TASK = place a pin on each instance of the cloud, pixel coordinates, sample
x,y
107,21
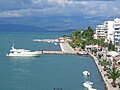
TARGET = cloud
x,y
10,14
38,8
36,1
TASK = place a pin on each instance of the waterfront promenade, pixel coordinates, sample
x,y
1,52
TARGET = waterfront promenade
x,y
105,79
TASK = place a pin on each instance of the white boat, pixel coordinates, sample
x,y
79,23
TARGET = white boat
x,y
87,85
83,53
86,73
55,43
88,82
23,53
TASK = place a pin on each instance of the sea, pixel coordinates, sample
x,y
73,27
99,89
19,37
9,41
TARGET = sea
x,y
47,72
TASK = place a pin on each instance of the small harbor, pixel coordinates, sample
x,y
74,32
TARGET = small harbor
x,y
65,47
48,71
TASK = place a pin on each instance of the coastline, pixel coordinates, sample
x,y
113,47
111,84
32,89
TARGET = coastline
x,y
107,81
67,49
43,60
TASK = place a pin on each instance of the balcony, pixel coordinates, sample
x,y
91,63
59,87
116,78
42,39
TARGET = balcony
x,y
117,37
116,34
117,26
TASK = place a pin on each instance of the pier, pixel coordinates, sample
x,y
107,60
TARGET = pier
x,y
65,47
46,40
57,52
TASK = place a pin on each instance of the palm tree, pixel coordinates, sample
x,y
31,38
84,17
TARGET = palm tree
x,y
113,74
104,63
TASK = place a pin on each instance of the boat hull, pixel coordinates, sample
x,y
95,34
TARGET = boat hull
x,y
24,54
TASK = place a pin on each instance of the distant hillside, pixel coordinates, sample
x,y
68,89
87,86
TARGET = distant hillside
x,y
59,23
15,27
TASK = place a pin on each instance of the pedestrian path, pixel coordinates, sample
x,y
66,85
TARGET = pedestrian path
x,y
105,79
65,47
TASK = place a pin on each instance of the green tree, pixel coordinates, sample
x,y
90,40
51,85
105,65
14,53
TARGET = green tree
x,y
88,34
104,63
82,38
111,46
76,34
77,42
114,74
102,42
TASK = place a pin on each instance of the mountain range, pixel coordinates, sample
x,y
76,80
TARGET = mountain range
x,y
58,23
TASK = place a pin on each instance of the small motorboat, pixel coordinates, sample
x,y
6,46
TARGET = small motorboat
x,y
86,73
55,43
88,82
87,85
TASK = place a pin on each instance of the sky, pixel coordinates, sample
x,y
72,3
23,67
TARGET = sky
x,y
40,8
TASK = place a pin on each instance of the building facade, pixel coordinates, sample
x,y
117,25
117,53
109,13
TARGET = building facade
x,y
117,31
101,31
110,30
105,31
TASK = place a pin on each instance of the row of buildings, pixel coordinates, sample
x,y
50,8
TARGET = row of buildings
x,y
109,30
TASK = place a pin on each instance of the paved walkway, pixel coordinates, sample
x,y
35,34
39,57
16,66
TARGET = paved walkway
x,y
65,47
105,79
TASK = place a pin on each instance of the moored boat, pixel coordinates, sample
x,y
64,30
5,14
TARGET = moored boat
x,y
87,85
83,53
88,82
23,53
86,73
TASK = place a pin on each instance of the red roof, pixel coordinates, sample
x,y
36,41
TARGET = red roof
x,y
99,46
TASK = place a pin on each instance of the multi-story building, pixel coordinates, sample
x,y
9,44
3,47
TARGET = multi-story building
x,y
117,31
110,30
101,31
105,31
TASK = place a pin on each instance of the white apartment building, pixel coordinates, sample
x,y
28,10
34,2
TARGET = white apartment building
x,y
101,31
105,31
111,31
117,31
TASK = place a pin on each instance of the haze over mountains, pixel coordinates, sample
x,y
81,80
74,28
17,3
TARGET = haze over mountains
x,y
55,15
56,23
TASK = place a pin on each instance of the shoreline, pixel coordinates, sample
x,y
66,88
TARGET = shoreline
x,y
67,49
108,85
107,82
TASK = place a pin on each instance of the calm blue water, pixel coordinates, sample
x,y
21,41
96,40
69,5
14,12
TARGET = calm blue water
x,y
45,72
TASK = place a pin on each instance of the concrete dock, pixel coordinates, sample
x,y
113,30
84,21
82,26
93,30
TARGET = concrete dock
x,y
65,49
46,40
57,52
